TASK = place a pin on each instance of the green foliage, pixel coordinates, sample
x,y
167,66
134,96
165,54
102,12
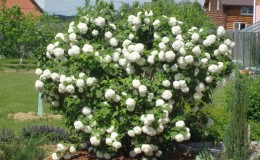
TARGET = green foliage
x,y
205,155
254,130
254,92
24,34
22,150
236,139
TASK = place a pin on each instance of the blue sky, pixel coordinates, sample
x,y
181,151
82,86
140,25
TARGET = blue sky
x,y
69,7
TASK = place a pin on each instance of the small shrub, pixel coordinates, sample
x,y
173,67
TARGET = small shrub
x,y
7,135
54,134
255,130
22,150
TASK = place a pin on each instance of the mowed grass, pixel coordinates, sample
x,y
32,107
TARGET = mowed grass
x,y
18,94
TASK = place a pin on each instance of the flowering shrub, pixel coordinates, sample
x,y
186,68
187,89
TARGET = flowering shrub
x,y
124,85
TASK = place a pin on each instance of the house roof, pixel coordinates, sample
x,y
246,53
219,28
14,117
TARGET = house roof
x,y
26,6
237,2
232,3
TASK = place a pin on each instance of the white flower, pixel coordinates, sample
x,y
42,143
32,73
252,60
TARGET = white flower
x,y
58,52
137,150
90,81
161,55
116,145
166,83
211,38
114,135
146,148
61,36
156,22
172,21
50,48
136,21
210,123
187,136
197,95
116,56
113,42
196,50
78,125
72,149
122,62
179,138
94,141
165,40
221,31
200,87
167,95
189,59
131,133
209,79
60,147
206,43
107,156
70,89
169,56
185,89
107,59
80,83
195,37
149,130
223,48
83,28
159,103
134,56
213,68
110,94
100,22
72,37
149,119
150,59
87,48
180,124
95,32
131,36
108,35
142,89
137,130
109,141
177,45
216,52
74,51
130,103
38,71
139,47
204,60
160,129
136,83
54,156
86,111
156,35
39,85
176,30
147,21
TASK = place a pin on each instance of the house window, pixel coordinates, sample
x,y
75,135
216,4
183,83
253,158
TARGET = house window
x,y
247,10
217,4
239,25
209,5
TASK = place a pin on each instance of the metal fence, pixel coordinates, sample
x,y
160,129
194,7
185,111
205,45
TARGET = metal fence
x,y
246,53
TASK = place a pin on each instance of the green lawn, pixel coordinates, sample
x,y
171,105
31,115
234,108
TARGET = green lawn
x,y
17,94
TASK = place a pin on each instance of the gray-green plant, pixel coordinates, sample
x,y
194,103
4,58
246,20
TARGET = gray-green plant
x,y
236,137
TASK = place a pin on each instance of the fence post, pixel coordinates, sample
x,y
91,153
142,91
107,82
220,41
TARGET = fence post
x,y
40,108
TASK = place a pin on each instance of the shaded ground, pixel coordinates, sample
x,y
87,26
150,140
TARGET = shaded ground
x,y
21,116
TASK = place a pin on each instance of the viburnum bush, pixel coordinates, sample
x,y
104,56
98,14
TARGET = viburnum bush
x,y
123,85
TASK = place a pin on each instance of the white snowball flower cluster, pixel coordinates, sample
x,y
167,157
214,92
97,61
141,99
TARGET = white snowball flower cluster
x,y
83,28
130,104
100,22
95,141
211,39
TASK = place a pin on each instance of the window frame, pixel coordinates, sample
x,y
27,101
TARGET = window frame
x,y
247,11
239,25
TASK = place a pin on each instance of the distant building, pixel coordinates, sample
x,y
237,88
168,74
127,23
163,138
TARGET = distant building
x,y
26,6
232,14
257,11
